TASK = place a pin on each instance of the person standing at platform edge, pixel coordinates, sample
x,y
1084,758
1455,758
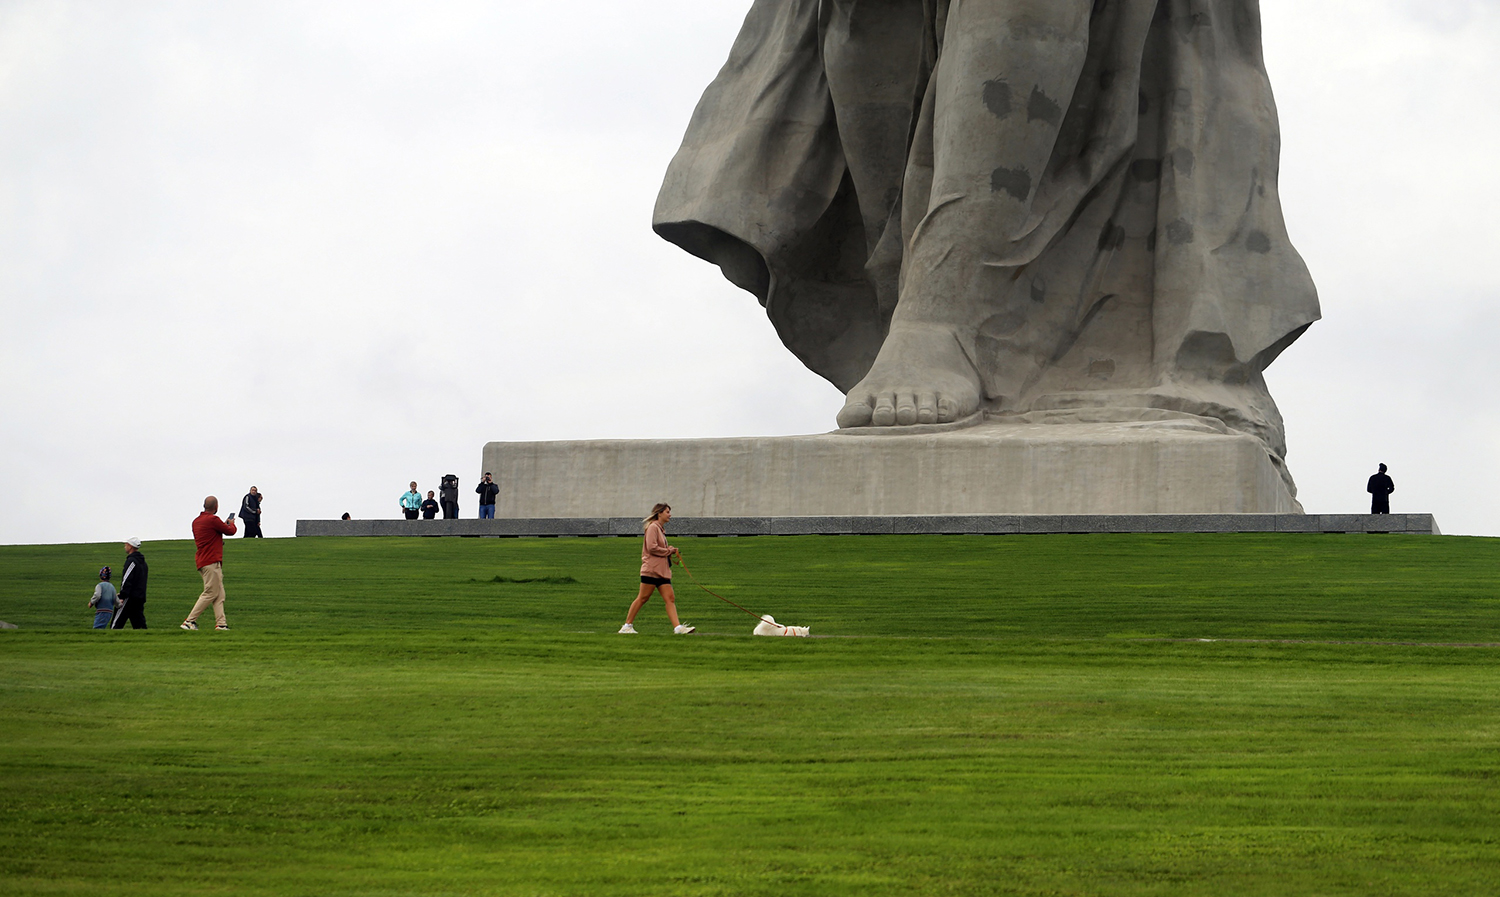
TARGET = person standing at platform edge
x,y
209,532
411,500
430,507
487,491
448,496
1380,488
250,513
132,588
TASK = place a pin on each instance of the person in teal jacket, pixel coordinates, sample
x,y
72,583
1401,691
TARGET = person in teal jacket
x,y
411,502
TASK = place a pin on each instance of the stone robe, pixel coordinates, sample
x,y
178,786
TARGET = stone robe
x,y
1153,278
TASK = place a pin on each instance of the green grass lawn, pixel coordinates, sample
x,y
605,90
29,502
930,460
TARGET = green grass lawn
x,y
991,715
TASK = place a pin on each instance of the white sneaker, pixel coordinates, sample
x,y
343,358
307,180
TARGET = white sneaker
x,y
627,629
684,629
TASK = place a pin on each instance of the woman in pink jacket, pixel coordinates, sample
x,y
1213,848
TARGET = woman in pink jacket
x,y
656,571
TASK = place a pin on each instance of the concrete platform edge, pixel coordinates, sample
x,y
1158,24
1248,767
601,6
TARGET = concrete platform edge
x,y
910,524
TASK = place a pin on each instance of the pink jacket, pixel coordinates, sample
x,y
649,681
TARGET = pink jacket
x,y
655,551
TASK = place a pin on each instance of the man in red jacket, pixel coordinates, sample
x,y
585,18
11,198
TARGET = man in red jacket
x,y
209,532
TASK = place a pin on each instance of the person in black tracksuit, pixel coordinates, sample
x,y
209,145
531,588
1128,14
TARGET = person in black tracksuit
x,y
132,588
250,514
1380,488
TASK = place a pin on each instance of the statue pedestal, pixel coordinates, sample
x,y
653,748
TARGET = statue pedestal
x,y
1159,467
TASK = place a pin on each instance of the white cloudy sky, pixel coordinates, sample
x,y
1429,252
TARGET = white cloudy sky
x,y
326,248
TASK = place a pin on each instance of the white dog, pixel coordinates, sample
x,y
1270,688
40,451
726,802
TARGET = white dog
x,y
769,626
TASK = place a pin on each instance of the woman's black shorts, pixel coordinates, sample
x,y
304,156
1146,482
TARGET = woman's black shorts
x,y
656,580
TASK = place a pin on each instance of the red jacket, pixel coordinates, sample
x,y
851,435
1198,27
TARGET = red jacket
x,y
209,532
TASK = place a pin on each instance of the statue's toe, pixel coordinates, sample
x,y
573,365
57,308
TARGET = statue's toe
x,y
855,413
885,411
927,408
947,410
906,409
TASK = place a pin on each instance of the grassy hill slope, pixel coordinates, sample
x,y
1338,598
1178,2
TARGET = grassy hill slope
x,y
1183,586
1004,716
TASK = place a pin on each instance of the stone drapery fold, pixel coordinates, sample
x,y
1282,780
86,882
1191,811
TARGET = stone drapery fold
x,y
1154,269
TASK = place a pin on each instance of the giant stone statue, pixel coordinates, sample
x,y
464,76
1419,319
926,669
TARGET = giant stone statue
x,y
958,210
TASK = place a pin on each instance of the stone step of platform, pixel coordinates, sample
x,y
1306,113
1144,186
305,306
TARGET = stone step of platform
x,y
912,524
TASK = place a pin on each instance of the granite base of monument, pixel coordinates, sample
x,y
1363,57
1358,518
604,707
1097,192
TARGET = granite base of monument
x,y
1157,467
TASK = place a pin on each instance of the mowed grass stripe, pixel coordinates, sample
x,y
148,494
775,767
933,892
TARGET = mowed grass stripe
x,y
492,765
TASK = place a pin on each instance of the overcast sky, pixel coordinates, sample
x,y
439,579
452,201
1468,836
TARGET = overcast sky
x,y
327,248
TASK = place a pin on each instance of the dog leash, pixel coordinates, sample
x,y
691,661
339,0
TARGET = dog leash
x,y
705,588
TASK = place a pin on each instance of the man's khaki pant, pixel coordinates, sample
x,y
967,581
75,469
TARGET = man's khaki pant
x,y
213,594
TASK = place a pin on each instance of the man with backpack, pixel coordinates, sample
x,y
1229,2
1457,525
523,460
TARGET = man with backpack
x,y
1380,488
448,493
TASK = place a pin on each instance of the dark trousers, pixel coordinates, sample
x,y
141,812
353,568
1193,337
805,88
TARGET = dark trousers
x,y
252,527
450,509
1380,504
411,513
486,512
134,611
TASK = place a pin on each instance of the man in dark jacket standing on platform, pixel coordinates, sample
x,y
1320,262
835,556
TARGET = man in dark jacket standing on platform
x,y
1380,489
132,588
250,514
487,491
209,532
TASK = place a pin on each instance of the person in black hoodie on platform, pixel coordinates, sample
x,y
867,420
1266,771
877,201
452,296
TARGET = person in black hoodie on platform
x,y
1380,488
132,588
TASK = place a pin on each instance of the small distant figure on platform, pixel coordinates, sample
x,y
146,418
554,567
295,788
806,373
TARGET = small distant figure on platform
x,y
346,516
411,501
132,588
104,600
448,494
1380,489
430,507
487,490
250,513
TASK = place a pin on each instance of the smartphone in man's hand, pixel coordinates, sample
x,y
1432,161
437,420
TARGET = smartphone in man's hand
x,y
230,518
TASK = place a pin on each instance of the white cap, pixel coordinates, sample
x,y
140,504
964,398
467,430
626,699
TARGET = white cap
x,y
133,542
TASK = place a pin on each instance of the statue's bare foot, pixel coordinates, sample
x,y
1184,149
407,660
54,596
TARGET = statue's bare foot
x,y
921,376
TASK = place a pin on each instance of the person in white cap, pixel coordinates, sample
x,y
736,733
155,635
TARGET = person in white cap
x,y
132,588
